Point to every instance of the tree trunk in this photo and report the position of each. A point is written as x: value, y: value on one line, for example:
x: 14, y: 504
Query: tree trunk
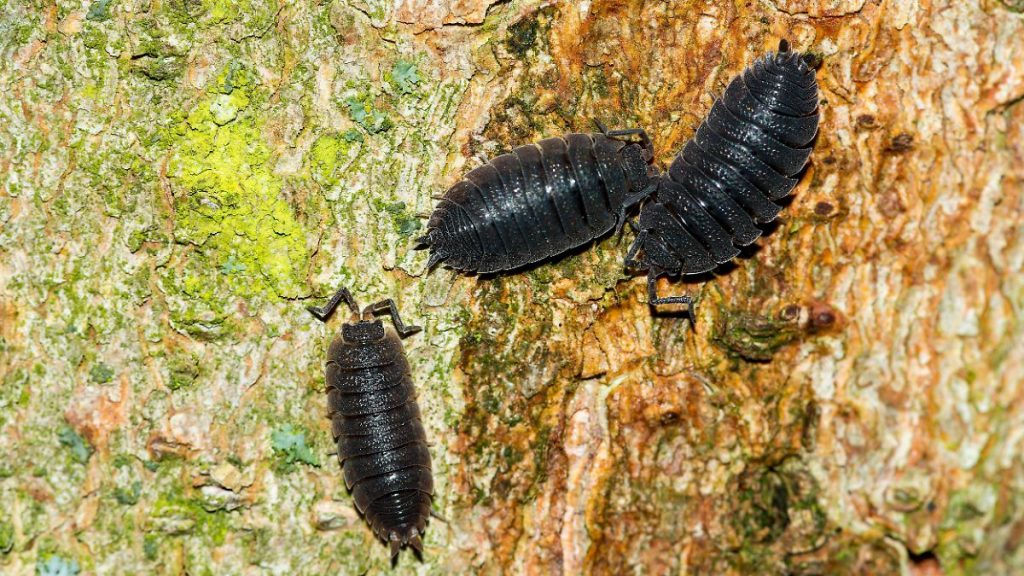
x: 179, y: 178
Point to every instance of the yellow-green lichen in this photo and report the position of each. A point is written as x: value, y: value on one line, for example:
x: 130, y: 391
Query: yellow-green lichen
x: 229, y: 201
x: 329, y: 154
x: 6, y: 537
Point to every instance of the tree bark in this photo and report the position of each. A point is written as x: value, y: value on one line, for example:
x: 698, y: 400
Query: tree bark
x: 179, y: 178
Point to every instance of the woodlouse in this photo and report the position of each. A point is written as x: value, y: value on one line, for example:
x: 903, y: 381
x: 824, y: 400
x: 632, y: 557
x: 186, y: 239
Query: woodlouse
x: 376, y: 422
x: 723, y: 183
x: 539, y: 201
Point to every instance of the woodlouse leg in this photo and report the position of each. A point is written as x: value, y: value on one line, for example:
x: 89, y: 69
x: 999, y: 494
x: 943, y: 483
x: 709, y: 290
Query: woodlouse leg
x: 633, y: 200
x: 630, y: 262
x: 388, y: 305
x: 645, y: 140
x: 324, y: 312
x: 655, y: 301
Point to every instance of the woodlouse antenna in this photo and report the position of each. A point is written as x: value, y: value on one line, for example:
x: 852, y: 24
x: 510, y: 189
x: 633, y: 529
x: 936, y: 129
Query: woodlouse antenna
x: 388, y: 306
x: 324, y: 312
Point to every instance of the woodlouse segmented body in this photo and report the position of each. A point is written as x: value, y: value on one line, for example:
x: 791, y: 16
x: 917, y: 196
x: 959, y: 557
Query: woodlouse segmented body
x: 723, y: 183
x: 539, y: 201
x: 376, y: 423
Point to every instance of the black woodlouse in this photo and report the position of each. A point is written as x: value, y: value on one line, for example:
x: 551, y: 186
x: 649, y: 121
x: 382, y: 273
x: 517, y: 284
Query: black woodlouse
x: 742, y: 158
x: 376, y: 422
x: 539, y: 201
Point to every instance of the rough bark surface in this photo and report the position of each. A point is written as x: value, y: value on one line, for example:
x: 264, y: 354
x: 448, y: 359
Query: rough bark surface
x: 178, y: 178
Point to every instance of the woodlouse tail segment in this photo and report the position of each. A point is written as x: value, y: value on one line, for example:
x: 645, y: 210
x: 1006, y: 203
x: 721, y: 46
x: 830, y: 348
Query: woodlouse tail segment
x: 422, y: 242
x: 416, y: 544
x: 397, y: 541
x: 436, y: 256
x: 813, y: 61
x: 388, y: 306
x: 435, y: 259
x: 324, y: 312
x: 395, y: 547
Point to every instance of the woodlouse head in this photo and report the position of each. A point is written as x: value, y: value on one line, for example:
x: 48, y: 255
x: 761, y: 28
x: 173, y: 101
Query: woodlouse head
x: 363, y: 331
x: 365, y: 328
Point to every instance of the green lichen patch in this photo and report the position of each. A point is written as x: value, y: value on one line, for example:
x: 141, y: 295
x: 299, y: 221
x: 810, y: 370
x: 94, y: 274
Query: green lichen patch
x: 57, y: 566
x: 14, y: 392
x: 256, y: 16
x: 1014, y: 5
x: 158, y: 60
x: 223, y: 10
x: 79, y: 448
x: 6, y: 537
x: 230, y: 204
x: 99, y: 11
x: 183, y: 369
x: 179, y: 511
x: 177, y: 517
x: 522, y: 35
x: 289, y: 443
x: 363, y: 111
x: 753, y: 337
x: 968, y: 510
x: 775, y: 514
x: 406, y: 223
x: 128, y: 495
x: 763, y: 507
x: 100, y: 373
x: 404, y: 77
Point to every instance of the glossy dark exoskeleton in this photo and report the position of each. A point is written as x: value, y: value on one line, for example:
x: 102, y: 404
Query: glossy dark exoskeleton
x: 744, y: 156
x: 376, y: 422
x: 539, y: 201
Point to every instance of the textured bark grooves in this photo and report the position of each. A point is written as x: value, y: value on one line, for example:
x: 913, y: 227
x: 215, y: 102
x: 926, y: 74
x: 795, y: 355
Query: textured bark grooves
x: 178, y: 179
